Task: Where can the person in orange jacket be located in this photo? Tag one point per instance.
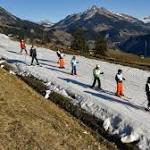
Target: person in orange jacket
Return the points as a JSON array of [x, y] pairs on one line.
[[22, 46], [119, 79]]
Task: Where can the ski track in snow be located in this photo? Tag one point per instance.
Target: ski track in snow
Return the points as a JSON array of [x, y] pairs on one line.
[[120, 116]]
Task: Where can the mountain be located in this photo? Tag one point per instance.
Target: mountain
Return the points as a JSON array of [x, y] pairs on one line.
[[118, 27], [138, 45], [10, 24], [146, 19], [46, 23], [40, 32]]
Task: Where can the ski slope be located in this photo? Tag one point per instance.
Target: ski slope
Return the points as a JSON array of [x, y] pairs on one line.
[[124, 117]]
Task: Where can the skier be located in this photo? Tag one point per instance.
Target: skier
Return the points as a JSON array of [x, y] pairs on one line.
[[147, 89], [61, 61], [96, 73], [22, 46], [119, 79], [74, 63], [33, 54]]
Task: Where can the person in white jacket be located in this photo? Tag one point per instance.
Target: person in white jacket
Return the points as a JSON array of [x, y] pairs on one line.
[[74, 63]]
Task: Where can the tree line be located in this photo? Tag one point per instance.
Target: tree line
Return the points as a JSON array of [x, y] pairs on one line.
[[79, 43]]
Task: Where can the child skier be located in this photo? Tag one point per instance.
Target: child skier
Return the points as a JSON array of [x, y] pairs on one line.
[[96, 73], [74, 63], [22, 46], [58, 54], [33, 54], [119, 79], [61, 61], [147, 89]]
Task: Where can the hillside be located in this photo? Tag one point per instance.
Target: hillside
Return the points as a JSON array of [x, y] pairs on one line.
[[138, 45], [18, 28], [124, 117], [28, 121]]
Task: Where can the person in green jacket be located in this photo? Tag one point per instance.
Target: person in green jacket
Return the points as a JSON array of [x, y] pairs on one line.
[[96, 73]]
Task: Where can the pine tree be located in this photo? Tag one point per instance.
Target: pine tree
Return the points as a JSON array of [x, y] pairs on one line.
[[100, 46], [79, 42]]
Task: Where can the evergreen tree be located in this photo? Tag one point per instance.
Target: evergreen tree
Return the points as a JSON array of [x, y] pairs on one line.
[[100, 46], [79, 42]]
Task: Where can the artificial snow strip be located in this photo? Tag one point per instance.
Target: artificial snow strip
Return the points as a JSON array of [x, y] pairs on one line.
[[126, 119]]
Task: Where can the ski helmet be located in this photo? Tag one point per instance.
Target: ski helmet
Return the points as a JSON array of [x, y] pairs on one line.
[[119, 71], [97, 66]]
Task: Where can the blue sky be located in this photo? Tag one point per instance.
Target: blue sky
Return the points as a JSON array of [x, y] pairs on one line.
[[55, 10]]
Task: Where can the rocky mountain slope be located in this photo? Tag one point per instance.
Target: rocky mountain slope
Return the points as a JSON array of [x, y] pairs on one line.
[[10, 24], [117, 27], [138, 45]]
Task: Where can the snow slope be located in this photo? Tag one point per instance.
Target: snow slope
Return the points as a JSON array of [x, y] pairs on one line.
[[125, 118]]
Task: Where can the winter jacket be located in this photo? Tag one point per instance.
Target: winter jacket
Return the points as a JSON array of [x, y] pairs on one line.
[[119, 78], [33, 52], [58, 53], [22, 45], [147, 88], [74, 62], [61, 56], [96, 73]]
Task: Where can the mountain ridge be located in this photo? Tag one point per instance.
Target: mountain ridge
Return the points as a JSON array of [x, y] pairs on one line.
[[102, 21]]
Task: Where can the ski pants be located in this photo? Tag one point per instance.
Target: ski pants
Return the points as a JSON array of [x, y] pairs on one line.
[[74, 70], [23, 49], [119, 91], [34, 57], [148, 98], [61, 63], [96, 79]]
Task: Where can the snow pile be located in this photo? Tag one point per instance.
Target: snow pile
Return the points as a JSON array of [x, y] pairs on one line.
[[123, 117]]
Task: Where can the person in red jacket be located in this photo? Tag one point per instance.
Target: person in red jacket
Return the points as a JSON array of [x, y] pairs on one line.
[[23, 46]]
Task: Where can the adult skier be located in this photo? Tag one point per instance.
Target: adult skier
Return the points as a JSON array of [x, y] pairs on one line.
[[23, 46], [33, 54], [74, 63], [96, 73], [147, 89], [119, 80]]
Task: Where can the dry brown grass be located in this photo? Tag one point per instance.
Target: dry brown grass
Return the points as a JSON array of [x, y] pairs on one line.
[[28, 121], [128, 58]]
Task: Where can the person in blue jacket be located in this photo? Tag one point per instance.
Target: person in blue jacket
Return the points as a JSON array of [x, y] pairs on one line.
[[74, 63]]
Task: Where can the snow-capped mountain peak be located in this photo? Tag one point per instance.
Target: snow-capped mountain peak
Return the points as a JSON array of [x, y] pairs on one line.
[[146, 19], [46, 23]]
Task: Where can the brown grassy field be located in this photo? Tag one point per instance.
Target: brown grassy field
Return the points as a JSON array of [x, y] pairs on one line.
[[28, 121], [131, 59]]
